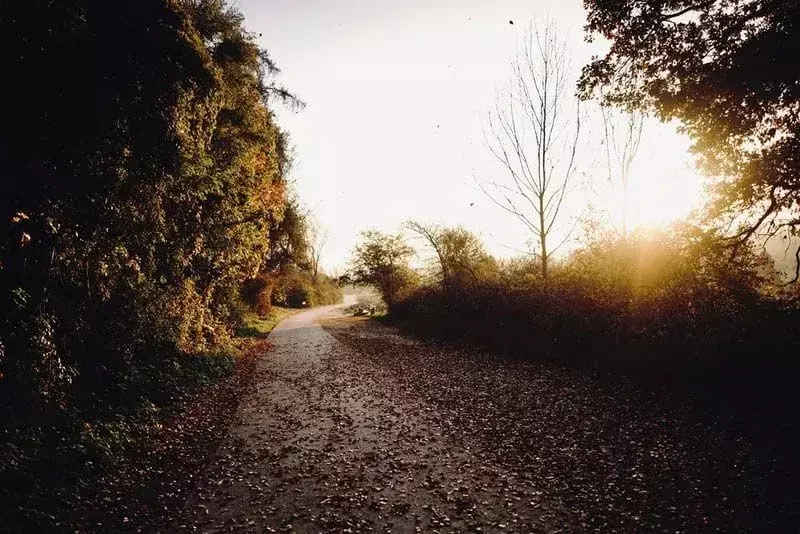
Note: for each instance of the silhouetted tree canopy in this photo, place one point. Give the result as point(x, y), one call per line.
point(289, 240)
point(727, 69)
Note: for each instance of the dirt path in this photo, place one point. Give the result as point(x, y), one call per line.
point(616, 455)
point(322, 445)
point(356, 427)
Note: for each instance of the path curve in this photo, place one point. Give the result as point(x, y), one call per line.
point(318, 445)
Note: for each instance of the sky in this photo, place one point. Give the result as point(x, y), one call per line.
point(398, 98)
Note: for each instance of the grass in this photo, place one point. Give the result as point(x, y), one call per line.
point(260, 327)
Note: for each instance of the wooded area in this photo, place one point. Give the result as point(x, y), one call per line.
point(144, 186)
point(701, 295)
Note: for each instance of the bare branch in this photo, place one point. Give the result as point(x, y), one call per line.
point(533, 138)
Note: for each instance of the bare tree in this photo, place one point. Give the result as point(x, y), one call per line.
point(534, 135)
point(431, 234)
point(622, 132)
point(317, 239)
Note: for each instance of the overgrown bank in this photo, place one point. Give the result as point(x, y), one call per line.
point(143, 182)
point(131, 469)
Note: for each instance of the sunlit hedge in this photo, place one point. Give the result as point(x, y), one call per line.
point(292, 288)
point(660, 302)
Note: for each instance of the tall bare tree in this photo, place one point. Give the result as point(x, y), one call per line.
point(534, 133)
point(317, 239)
point(622, 135)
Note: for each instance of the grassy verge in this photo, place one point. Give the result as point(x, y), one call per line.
point(259, 327)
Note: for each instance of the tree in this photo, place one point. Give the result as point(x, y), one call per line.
point(288, 238)
point(381, 260)
point(727, 70)
point(622, 134)
point(131, 214)
point(317, 239)
point(534, 136)
point(461, 258)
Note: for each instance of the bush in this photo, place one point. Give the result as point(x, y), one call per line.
point(300, 289)
point(292, 288)
point(382, 261)
point(658, 303)
point(257, 294)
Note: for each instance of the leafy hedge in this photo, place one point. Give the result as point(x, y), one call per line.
point(301, 289)
point(292, 288)
point(132, 205)
point(142, 175)
point(657, 305)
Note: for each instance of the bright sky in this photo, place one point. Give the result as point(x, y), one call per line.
point(398, 95)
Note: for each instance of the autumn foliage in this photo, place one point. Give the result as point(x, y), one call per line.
point(142, 176)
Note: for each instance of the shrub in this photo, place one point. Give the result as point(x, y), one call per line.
point(657, 302)
point(299, 288)
point(382, 261)
point(257, 294)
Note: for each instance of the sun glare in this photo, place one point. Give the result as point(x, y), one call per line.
point(663, 198)
point(665, 186)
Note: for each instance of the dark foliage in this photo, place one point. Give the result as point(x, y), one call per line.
point(290, 274)
point(653, 305)
point(136, 187)
point(257, 293)
point(301, 289)
point(140, 170)
point(289, 240)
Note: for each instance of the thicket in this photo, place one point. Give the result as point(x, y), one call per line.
point(290, 275)
point(670, 302)
point(291, 288)
point(142, 181)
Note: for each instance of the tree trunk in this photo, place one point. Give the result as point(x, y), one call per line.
point(542, 238)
